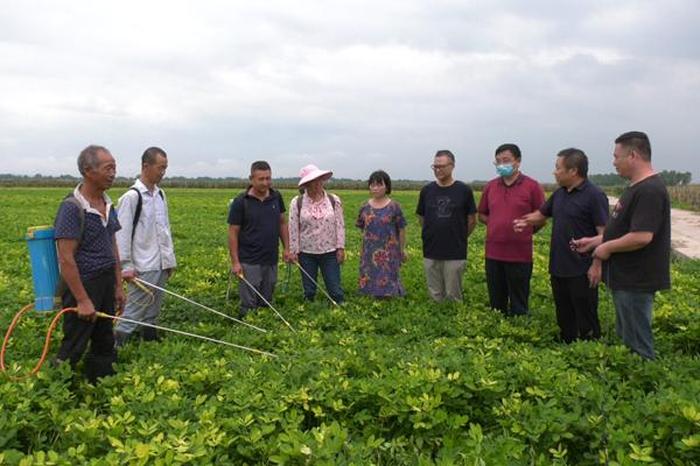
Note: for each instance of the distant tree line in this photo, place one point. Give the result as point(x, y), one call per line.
point(10, 180)
point(669, 177)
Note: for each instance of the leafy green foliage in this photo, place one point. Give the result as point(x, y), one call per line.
point(373, 382)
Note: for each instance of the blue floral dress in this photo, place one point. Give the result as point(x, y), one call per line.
point(380, 259)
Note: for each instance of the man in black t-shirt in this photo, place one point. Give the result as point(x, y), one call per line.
point(256, 225)
point(447, 214)
point(636, 245)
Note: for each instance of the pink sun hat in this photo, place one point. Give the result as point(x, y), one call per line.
point(311, 172)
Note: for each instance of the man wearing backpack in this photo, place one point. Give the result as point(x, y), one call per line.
point(145, 245)
point(256, 225)
point(85, 228)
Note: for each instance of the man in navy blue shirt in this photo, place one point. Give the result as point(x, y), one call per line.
point(578, 209)
point(256, 225)
point(85, 228)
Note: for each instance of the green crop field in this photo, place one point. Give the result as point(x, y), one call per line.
point(373, 382)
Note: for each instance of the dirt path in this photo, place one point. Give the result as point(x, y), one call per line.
point(685, 232)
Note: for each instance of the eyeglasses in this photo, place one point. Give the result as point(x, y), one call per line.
point(440, 167)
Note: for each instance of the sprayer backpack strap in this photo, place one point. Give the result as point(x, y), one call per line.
point(62, 286)
point(300, 200)
point(139, 206)
point(71, 199)
point(244, 206)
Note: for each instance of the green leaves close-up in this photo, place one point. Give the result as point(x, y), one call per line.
point(402, 381)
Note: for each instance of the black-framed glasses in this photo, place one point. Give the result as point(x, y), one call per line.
point(440, 167)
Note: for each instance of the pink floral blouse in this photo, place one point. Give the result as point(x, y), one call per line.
point(322, 226)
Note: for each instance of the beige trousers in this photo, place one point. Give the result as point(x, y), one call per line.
point(444, 278)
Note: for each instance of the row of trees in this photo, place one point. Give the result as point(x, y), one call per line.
point(671, 178)
point(197, 182)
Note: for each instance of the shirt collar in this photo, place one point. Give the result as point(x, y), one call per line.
point(86, 205)
point(270, 193)
point(518, 180)
point(143, 189)
point(580, 187)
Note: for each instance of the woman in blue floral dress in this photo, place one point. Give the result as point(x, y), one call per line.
point(383, 240)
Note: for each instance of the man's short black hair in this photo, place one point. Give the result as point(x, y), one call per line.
point(260, 165)
point(446, 153)
point(380, 177)
point(514, 149)
point(637, 141)
point(151, 154)
point(575, 158)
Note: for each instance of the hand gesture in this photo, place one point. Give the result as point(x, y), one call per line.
point(525, 222)
point(119, 299)
point(595, 273)
point(601, 252)
point(519, 225)
point(86, 310)
point(289, 257)
point(583, 245)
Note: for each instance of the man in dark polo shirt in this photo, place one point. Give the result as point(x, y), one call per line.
point(85, 228)
point(447, 214)
point(636, 246)
point(256, 225)
point(509, 253)
point(578, 208)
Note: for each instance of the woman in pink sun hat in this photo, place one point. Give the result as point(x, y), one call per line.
point(317, 232)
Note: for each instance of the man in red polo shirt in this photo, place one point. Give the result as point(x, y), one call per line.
point(509, 253)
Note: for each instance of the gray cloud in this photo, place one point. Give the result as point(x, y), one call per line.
point(352, 86)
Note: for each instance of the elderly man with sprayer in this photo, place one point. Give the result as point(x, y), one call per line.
point(85, 228)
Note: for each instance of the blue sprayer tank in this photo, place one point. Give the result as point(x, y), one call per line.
point(42, 252)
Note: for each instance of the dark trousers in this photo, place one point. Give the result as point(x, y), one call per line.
point(577, 308)
point(78, 333)
point(509, 285)
point(330, 269)
point(263, 278)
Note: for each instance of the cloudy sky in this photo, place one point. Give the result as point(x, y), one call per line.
point(352, 86)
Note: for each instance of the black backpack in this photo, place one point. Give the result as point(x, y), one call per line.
point(139, 206)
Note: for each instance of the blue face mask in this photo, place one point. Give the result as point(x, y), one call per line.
point(505, 169)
